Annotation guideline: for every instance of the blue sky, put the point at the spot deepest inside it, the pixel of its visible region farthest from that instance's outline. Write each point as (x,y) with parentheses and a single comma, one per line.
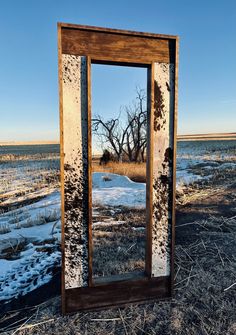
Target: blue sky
(28,59)
(114,87)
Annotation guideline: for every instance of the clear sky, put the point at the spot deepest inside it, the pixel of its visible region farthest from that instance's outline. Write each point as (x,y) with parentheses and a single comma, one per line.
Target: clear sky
(114,87)
(28,59)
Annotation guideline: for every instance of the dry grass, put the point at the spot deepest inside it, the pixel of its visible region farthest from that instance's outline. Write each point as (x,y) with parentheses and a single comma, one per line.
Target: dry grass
(4,228)
(205,282)
(135,171)
(204,301)
(119,249)
(38,156)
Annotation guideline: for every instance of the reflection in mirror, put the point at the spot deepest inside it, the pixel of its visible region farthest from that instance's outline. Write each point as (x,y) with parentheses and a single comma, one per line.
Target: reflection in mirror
(119,141)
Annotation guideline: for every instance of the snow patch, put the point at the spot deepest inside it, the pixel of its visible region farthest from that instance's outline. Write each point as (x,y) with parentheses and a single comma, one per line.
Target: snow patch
(108,223)
(111,189)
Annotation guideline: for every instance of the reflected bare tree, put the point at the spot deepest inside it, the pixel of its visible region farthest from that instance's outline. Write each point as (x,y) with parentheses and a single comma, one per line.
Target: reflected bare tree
(126,138)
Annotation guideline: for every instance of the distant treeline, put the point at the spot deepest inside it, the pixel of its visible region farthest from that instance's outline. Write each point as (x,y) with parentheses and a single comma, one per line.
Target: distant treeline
(207,137)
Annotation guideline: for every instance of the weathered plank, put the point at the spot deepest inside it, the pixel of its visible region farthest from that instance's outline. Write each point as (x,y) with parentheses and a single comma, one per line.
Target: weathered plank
(75,170)
(111,294)
(115,31)
(110,46)
(164,79)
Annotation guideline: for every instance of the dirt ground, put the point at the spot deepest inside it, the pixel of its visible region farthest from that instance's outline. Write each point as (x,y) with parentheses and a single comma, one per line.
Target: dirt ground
(204,300)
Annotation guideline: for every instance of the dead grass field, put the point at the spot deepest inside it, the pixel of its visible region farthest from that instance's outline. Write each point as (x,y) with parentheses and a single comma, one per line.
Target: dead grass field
(204,300)
(135,171)
(119,248)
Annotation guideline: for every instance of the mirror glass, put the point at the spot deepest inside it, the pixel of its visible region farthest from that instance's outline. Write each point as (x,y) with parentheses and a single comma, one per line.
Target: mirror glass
(119,142)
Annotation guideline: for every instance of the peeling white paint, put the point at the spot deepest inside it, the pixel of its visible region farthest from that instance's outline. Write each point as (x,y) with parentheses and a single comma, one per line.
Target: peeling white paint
(74,88)
(162,167)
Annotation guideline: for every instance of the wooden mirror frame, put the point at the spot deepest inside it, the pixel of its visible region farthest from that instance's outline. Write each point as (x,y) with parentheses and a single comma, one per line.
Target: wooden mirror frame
(78,47)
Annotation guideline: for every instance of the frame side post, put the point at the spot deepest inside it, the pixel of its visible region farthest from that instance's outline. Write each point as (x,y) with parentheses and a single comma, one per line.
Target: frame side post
(61,166)
(90,217)
(74,172)
(149,172)
(174,161)
(163,133)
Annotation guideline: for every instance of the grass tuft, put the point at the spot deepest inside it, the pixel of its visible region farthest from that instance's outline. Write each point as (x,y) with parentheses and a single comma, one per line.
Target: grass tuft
(4,228)
(135,171)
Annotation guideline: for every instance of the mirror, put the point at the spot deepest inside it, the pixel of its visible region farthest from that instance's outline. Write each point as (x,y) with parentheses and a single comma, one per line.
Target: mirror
(119,142)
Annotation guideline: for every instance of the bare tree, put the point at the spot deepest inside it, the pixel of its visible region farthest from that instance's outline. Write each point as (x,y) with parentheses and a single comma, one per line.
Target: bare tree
(111,134)
(136,136)
(128,141)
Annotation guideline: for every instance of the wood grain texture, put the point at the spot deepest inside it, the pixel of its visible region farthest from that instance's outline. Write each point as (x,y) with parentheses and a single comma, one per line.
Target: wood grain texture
(119,277)
(121,293)
(75,170)
(149,173)
(163,130)
(90,205)
(174,139)
(109,46)
(60,71)
(115,31)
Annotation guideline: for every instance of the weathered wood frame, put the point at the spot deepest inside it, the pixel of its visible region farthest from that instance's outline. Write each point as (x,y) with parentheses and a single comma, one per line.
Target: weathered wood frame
(78,47)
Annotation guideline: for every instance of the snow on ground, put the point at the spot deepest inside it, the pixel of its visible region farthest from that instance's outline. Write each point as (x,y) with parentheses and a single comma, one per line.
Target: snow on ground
(184,174)
(31,234)
(107,223)
(111,189)
(184,178)
(31,271)
(40,221)
(25,270)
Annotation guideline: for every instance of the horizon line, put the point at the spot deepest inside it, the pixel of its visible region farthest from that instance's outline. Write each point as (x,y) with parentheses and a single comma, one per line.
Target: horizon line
(198,136)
